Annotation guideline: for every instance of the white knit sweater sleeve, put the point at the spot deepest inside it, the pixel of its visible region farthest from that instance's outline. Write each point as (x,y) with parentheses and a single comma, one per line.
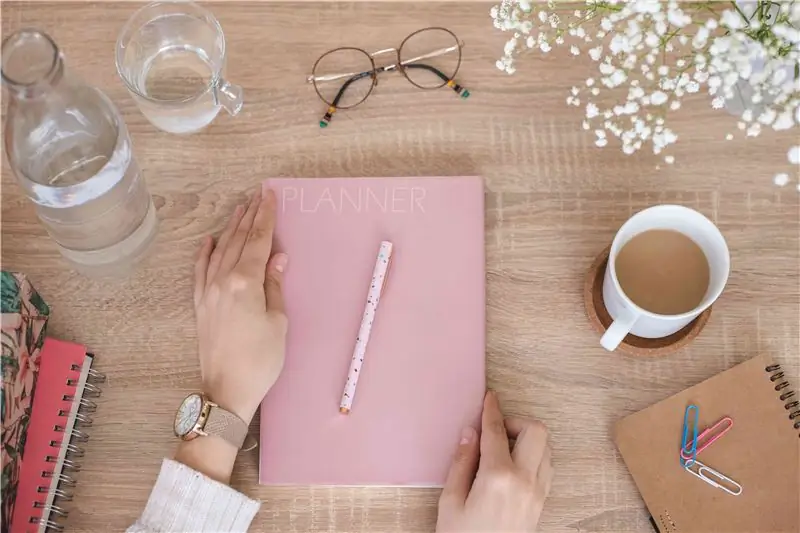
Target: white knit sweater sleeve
(186,500)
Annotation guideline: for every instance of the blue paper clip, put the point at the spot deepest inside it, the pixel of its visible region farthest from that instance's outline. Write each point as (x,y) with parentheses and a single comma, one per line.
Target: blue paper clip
(690,426)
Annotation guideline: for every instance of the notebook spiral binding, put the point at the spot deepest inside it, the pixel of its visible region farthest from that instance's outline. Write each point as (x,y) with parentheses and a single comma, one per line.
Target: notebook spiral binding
(792,404)
(51,513)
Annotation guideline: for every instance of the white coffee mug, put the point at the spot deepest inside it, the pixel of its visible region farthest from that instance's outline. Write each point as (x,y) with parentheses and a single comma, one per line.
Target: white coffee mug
(629,317)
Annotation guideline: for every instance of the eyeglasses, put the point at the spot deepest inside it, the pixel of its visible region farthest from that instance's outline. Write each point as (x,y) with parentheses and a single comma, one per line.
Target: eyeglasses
(428,58)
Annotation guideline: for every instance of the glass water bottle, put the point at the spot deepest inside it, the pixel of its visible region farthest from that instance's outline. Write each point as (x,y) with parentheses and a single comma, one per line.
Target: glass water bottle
(70,150)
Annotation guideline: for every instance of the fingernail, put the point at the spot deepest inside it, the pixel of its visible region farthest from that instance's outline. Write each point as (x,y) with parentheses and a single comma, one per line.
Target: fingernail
(467,435)
(280,262)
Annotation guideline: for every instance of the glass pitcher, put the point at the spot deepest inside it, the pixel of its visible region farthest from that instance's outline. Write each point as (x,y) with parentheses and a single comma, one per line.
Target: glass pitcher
(171,56)
(70,150)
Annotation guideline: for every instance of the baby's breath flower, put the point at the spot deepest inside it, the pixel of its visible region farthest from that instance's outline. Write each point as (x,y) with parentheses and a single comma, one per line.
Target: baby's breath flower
(658,98)
(783,122)
(655,53)
(794,155)
(510,46)
(731,20)
(781,180)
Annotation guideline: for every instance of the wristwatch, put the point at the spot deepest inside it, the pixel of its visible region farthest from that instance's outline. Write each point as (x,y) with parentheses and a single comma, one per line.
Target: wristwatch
(198,416)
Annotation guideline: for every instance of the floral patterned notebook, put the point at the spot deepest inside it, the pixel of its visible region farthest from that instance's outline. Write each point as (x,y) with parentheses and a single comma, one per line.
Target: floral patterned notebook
(24,320)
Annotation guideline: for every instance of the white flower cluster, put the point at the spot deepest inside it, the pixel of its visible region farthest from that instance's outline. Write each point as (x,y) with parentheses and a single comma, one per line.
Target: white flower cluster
(655,52)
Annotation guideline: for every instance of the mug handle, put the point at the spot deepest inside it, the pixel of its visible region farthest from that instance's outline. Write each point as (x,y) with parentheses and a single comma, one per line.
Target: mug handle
(618,329)
(228,96)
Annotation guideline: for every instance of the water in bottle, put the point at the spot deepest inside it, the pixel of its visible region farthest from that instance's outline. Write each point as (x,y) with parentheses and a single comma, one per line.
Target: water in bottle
(72,155)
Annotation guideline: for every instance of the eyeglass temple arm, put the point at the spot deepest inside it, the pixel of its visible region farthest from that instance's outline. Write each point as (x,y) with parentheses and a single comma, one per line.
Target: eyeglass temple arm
(463,92)
(435,53)
(332,108)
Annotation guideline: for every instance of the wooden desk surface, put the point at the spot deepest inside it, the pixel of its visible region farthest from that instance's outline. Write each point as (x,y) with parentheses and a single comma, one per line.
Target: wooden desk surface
(553,200)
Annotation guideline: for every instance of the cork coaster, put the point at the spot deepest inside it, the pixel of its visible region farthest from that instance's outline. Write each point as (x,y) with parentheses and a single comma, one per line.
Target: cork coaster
(632,345)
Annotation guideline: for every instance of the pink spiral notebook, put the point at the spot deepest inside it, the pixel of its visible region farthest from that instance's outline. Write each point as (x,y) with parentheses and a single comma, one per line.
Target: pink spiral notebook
(423,377)
(54,443)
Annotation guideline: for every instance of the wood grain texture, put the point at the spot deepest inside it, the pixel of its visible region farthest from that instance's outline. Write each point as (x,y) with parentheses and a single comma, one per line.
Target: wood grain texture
(553,203)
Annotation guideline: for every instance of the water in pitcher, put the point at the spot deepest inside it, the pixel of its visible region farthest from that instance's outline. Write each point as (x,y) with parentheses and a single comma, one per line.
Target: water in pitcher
(171,74)
(72,155)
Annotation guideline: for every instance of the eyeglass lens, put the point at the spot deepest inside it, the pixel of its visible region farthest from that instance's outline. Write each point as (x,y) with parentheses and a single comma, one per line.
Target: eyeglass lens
(430,57)
(345,68)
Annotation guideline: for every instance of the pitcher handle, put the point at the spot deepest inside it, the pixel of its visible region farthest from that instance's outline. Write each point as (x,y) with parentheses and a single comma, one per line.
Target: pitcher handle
(228,96)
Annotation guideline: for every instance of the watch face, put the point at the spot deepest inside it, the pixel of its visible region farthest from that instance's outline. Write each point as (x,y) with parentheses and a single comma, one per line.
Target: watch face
(188,414)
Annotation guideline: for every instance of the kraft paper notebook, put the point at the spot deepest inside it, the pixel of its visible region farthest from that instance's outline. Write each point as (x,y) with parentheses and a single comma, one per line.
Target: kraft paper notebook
(760,452)
(423,376)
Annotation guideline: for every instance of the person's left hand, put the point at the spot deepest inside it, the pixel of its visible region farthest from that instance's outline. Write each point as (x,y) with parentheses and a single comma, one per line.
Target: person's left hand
(492,488)
(241,324)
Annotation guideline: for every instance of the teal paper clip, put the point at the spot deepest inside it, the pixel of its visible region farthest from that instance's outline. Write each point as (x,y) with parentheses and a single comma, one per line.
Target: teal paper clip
(690,424)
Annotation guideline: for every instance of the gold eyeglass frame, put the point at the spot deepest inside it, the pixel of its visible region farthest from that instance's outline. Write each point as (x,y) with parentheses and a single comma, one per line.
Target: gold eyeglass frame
(400,65)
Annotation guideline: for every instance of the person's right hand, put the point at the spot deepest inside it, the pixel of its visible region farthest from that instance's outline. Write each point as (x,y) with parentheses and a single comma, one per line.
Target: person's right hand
(492,488)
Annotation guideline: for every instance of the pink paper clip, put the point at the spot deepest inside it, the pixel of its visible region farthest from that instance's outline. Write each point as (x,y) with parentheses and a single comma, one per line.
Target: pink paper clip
(709,436)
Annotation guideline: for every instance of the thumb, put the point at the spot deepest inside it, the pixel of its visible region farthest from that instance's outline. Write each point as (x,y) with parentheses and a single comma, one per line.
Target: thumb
(273,282)
(462,471)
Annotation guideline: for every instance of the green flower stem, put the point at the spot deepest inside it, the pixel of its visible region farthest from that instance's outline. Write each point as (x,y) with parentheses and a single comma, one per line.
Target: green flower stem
(741,13)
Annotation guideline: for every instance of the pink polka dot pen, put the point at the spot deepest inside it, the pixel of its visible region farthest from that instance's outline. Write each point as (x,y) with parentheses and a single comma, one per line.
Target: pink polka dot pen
(359,352)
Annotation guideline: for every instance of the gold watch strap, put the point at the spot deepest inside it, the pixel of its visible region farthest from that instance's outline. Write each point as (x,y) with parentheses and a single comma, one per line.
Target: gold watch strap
(226,425)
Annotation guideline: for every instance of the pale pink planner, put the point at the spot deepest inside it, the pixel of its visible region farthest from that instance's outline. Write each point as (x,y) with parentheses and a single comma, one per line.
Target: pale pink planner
(423,376)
